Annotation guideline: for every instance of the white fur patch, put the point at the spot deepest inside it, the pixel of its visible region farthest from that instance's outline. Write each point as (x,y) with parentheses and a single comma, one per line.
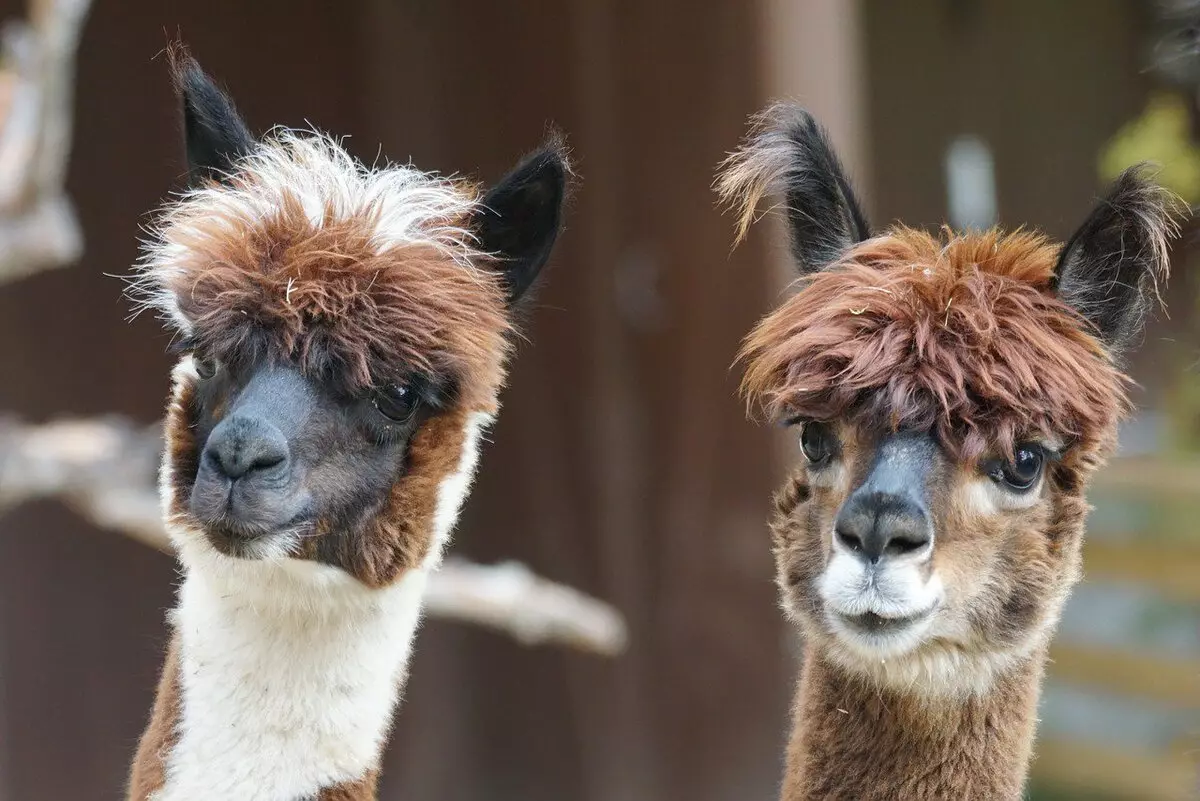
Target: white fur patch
(933,657)
(454,489)
(407,206)
(895,588)
(938,669)
(291,669)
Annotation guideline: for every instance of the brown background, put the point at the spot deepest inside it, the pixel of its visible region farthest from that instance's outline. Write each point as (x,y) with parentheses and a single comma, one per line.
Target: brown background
(610,467)
(622,463)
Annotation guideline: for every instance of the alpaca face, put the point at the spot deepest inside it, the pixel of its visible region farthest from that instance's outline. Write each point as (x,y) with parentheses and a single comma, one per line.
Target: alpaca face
(919,570)
(282,458)
(344,331)
(952,396)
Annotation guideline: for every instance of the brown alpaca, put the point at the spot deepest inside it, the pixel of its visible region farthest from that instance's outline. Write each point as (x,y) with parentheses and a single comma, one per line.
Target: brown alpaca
(953,396)
(344,333)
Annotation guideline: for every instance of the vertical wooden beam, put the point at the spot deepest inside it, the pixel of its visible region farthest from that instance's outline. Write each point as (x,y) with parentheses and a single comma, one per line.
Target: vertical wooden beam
(622,462)
(812,54)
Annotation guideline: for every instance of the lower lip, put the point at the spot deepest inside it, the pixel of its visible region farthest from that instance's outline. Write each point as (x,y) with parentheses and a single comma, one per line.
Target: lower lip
(873,624)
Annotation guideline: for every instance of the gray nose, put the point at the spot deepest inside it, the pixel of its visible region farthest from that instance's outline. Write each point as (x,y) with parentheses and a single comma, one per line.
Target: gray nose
(875,525)
(241,446)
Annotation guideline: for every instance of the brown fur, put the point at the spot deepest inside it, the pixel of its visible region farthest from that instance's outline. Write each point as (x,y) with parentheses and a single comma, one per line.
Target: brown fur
(399,537)
(1011,573)
(323,298)
(149,765)
(986,343)
(370,310)
(961,335)
(362,790)
(861,743)
(855,735)
(395,538)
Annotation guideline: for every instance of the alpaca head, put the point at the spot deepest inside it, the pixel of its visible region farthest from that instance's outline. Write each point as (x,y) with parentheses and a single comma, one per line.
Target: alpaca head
(951,395)
(343,332)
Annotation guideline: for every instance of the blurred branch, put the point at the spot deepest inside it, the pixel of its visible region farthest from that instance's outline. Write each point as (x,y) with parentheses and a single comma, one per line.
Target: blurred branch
(534,610)
(106,469)
(38,228)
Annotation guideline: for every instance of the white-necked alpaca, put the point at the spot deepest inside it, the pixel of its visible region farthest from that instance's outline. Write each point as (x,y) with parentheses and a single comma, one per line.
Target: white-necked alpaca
(345,332)
(953,397)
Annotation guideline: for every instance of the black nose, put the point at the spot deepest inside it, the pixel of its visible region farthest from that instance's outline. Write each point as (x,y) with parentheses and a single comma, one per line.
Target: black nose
(239,446)
(878,524)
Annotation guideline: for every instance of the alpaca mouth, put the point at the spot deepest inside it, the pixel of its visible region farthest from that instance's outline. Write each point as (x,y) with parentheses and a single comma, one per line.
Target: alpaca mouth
(871,624)
(234,537)
(248,518)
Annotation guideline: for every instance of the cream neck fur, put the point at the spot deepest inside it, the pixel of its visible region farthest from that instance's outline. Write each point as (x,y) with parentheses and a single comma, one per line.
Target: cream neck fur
(290,670)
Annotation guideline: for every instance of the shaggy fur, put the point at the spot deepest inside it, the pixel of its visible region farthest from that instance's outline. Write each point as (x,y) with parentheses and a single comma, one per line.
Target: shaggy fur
(860,743)
(985,343)
(960,335)
(1111,268)
(359,277)
(357,321)
(787,152)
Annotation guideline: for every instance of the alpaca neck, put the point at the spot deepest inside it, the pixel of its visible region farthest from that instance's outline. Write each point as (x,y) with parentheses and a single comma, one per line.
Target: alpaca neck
(284,698)
(854,740)
(283,675)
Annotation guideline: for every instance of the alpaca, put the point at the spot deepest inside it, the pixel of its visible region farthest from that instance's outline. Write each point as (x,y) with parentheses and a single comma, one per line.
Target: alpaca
(344,333)
(953,395)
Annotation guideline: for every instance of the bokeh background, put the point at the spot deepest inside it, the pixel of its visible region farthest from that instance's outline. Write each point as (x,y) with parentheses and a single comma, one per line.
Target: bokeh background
(622,464)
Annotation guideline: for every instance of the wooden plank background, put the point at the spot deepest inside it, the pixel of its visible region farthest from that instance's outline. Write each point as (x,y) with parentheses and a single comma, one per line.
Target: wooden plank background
(622,463)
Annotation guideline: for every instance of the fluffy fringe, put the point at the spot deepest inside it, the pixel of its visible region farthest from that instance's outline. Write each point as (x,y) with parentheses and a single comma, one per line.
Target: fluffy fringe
(360,274)
(959,335)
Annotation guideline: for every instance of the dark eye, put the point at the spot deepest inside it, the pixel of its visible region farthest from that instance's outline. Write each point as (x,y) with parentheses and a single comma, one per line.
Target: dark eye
(817,442)
(396,402)
(1023,471)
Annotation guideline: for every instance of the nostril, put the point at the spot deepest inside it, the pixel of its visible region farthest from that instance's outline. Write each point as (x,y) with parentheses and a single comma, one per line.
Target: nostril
(243,447)
(905,543)
(849,539)
(238,462)
(267,460)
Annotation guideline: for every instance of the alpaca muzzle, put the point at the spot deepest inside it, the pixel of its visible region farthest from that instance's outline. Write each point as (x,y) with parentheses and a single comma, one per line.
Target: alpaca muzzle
(879,590)
(247,486)
(887,517)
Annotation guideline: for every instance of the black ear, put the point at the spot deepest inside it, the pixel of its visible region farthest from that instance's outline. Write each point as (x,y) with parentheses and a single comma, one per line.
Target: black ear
(520,217)
(1110,269)
(214,133)
(787,153)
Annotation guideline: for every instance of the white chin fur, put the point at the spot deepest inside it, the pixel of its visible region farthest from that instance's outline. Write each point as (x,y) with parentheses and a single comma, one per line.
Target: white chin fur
(931,657)
(894,589)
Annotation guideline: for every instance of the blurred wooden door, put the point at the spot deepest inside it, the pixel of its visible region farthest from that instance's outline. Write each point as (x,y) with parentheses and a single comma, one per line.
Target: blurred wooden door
(622,463)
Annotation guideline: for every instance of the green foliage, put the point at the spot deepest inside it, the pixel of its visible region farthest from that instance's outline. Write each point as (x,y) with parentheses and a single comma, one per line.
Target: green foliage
(1161,135)
(1183,410)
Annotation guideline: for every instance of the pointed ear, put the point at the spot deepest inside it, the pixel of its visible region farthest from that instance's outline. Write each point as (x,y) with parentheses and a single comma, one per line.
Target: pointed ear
(787,153)
(214,133)
(1110,269)
(520,217)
